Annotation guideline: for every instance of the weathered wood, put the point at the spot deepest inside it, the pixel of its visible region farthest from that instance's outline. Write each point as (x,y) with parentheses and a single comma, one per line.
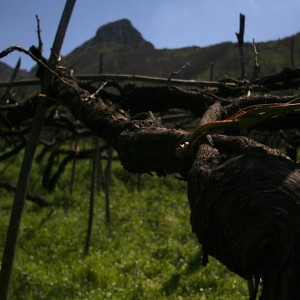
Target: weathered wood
(38,31)
(122,78)
(256,65)
(144,98)
(233,187)
(29,196)
(292,81)
(246,214)
(248,192)
(13,151)
(18,204)
(158,153)
(240,38)
(12,79)
(108,184)
(92,198)
(292,53)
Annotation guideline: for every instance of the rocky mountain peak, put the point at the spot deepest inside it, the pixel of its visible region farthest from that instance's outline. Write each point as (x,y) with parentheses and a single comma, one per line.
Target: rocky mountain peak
(119,32)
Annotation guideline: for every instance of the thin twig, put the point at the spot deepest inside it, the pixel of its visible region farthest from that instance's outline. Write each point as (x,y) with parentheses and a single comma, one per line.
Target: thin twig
(256,66)
(175,73)
(95,95)
(36,59)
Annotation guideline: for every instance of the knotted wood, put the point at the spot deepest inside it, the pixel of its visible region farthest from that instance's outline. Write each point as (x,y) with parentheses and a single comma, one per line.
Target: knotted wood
(245,211)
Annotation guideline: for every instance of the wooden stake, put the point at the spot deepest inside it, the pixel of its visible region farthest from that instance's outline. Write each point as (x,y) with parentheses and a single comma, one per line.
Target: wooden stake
(107,184)
(211,77)
(292,52)
(240,37)
(19,199)
(92,197)
(12,79)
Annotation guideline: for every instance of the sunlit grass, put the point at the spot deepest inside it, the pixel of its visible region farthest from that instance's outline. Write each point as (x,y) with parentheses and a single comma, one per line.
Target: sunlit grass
(147,252)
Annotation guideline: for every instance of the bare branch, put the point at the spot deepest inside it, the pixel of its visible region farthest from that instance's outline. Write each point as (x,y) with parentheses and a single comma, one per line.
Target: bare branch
(256,67)
(29,196)
(40,47)
(175,73)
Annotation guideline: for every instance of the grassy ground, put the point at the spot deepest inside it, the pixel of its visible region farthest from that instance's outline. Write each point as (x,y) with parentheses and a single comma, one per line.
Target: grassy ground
(147,252)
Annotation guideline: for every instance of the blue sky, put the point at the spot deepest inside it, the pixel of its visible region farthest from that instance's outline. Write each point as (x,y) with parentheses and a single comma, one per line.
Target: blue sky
(165,23)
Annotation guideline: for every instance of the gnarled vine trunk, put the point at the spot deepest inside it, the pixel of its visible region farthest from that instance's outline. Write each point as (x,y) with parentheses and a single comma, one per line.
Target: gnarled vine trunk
(245,211)
(244,196)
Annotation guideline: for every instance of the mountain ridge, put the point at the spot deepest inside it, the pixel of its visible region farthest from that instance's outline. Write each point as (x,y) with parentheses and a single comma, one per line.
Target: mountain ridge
(120,32)
(135,55)
(124,50)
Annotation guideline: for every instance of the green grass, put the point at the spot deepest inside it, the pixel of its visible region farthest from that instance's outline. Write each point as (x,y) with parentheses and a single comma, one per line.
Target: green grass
(147,252)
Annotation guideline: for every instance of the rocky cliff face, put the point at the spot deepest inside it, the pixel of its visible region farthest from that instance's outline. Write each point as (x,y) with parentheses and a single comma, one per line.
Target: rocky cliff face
(120,32)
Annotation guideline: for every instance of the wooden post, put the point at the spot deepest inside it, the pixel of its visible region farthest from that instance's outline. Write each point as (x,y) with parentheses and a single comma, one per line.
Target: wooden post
(240,37)
(107,184)
(292,52)
(73,170)
(99,162)
(12,79)
(100,180)
(211,77)
(92,197)
(19,199)
(101,63)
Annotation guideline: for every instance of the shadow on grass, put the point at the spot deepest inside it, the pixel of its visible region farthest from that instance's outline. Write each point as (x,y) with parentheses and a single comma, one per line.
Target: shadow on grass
(171,285)
(28,235)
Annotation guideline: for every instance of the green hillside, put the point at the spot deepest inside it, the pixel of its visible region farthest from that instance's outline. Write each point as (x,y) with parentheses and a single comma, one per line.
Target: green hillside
(125,51)
(134,55)
(6,72)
